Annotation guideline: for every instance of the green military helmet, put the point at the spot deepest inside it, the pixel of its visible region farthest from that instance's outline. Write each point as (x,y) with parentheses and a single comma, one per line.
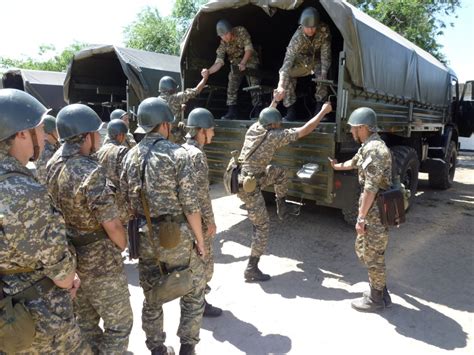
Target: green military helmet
(117,114)
(77,119)
(363,116)
(116,127)
(309,17)
(49,124)
(268,116)
(152,112)
(222,27)
(18,111)
(200,118)
(167,85)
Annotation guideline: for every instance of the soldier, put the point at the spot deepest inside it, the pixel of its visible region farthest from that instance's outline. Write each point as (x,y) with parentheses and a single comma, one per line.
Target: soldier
(177,100)
(125,117)
(308,52)
(81,191)
(237,44)
(201,130)
(51,145)
(374,164)
(36,266)
(111,156)
(159,173)
(262,140)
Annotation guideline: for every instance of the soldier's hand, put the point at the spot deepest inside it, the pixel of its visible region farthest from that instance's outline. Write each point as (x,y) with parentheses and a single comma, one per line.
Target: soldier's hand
(242,66)
(279,94)
(205,73)
(333,163)
(201,249)
(211,230)
(327,107)
(75,286)
(181,125)
(360,228)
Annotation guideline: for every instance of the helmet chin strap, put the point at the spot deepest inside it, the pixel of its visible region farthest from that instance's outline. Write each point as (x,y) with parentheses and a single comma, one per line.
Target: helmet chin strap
(36,147)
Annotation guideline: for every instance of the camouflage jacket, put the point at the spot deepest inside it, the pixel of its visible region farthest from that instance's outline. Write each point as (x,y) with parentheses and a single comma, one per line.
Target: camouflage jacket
(201,173)
(128,143)
(176,100)
(305,51)
(33,236)
(236,48)
(110,157)
(274,139)
(80,190)
(374,164)
(45,155)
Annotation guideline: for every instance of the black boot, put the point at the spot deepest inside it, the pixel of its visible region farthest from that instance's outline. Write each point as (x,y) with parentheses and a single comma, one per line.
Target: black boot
(290,114)
(372,303)
(253,273)
(211,311)
(387,300)
(186,349)
(284,208)
(163,350)
(232,113)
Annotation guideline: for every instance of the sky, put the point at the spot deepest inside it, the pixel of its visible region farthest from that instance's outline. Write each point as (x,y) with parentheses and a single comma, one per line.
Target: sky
(31,23)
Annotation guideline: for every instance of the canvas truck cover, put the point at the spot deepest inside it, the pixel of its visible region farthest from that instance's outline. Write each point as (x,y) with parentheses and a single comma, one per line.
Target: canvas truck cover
(46,86)
(377,58)
(142,69)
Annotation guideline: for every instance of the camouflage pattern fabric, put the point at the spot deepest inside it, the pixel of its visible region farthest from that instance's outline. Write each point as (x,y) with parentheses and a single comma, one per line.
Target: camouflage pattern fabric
(258,164)
(34,236)
(81,191)
(374,164)
(201,177)
(169,189)
(110,157)
(45,155)
(235,51)
(306,55)
(128,143)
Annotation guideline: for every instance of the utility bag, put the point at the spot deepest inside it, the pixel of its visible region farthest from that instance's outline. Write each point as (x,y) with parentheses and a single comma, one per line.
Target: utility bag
(391,207)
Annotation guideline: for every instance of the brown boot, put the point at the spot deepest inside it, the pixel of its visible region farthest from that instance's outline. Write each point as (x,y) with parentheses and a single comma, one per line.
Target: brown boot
(253,273)
(387,300)
(372,303)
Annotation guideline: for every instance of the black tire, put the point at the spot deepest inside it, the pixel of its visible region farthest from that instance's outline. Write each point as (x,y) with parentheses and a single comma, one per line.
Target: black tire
(443,179)
(407,166)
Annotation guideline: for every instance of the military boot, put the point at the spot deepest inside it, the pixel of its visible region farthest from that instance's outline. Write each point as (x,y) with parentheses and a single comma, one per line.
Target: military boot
(211,311)
(372,303)
(187,349)
(290,114)
(284,208)
(253,273)
(163,350)
(387,300)
(232,113)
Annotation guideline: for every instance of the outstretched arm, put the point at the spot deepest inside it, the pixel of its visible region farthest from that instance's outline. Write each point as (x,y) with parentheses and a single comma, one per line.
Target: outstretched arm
(314,122)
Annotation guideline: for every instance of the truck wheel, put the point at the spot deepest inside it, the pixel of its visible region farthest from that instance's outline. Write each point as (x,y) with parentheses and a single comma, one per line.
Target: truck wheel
(443,178)
(407,167)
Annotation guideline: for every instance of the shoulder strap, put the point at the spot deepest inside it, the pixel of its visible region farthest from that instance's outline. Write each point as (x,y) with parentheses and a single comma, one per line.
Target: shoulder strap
(4,177)
(256,147)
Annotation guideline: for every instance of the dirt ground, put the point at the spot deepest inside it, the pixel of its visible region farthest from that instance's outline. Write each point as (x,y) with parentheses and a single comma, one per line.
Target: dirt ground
(305,307)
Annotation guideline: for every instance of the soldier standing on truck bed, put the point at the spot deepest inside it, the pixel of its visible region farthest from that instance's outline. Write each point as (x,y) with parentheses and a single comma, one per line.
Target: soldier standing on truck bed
(125,117)
(237,44)
(176,100)
(308,52)
(36,266)
(80,190)
(51,145)
(262,140)
(374,164)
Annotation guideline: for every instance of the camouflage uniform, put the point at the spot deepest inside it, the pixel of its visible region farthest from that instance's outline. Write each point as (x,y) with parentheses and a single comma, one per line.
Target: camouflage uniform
(258,165)
(45,155)
(35,237)
(111,156)
(374,164)
(304,56)
(169,189)
(175,101)
(128,143)
(82,193)
(201,178)
(235,50)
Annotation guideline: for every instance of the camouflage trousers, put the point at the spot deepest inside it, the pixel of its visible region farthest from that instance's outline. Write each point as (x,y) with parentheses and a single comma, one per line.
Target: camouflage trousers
(289,84)
(256,209)
(192,304)
(105,297)
(370,249)
(235,78)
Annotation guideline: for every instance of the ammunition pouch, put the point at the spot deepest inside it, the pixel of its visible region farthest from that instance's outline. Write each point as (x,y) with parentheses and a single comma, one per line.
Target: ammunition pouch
(171,286)
(231,177)
(169,229)
(391,207)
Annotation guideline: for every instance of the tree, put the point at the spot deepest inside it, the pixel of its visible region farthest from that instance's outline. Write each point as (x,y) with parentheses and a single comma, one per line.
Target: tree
(58,62)
(419,21)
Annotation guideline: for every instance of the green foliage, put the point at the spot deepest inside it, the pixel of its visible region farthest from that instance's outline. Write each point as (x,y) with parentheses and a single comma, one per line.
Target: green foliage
(419,21)
(58,62)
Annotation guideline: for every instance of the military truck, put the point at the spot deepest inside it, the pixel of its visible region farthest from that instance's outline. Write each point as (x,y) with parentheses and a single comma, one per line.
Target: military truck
(420,112)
